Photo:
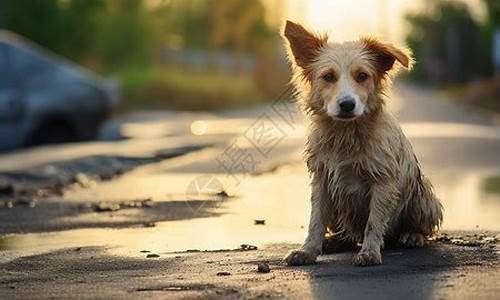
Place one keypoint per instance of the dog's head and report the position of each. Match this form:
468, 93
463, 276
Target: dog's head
345, 80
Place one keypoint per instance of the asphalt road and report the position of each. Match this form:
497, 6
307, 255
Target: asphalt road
191, 188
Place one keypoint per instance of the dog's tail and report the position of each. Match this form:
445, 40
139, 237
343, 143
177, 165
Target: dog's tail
423, 212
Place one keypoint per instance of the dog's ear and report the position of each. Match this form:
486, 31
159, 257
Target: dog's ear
304, 45
387, 54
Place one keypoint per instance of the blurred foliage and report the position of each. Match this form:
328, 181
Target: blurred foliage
493, 10
449, 45
186, 89
236, 25
492, 23
118, 37
491, 185
97, 33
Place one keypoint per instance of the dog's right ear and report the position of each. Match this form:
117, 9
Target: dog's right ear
303, 45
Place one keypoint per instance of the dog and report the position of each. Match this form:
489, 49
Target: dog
367, 185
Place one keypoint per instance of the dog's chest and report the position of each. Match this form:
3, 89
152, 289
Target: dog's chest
346, 182
349, 200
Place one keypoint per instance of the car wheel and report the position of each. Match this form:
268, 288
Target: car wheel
52, 133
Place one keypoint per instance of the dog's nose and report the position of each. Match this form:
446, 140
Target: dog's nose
347, 104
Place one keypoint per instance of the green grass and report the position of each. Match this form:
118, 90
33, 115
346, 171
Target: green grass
175, 88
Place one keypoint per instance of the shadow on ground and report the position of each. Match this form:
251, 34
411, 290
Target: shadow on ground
55, 216
94, 272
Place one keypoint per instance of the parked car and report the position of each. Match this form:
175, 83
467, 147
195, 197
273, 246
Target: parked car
47, 99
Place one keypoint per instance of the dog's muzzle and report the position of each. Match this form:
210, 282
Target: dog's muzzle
347, 106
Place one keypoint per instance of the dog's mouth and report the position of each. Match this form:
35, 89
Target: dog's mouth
345, 116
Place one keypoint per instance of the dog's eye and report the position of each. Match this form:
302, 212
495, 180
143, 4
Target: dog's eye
361, 77
329, 77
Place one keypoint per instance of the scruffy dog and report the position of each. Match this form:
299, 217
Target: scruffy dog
366, 180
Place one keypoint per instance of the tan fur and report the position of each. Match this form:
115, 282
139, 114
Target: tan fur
367, 185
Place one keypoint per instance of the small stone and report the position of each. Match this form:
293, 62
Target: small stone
223, 273
246, 247
148, 202
83, 180
222, 194
152, 255
26, 202
144, 251
263, 267
85, 205
472, 243
489, 239
105, 206
259, 222
6, 188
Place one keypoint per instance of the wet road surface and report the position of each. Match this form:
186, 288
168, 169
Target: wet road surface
194, 203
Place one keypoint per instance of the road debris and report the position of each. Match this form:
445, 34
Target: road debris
6, 188
223, 194
152, 255
246, 247
107, 206
84, 180
243, 247
259, 222
469, 240
31, 203
263, 267
55, 178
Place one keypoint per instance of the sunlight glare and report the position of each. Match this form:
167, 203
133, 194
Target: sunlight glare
199, 127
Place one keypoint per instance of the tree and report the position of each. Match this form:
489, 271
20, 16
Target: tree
448, 44
39, 20
101, 34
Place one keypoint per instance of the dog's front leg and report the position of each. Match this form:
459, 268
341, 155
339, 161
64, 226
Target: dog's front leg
317, 226
382, 203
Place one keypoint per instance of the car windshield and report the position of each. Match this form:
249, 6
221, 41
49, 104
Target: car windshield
5, 80
24, 67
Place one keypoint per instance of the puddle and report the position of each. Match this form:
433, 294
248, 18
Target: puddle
284, 221
471, 201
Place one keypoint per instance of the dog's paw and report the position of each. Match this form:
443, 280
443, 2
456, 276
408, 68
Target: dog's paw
367, 258
412, 240
300, 257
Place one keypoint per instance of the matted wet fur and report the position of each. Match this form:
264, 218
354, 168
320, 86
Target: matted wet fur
366, 180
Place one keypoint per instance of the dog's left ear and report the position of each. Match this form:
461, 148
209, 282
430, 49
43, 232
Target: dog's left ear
387, 54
